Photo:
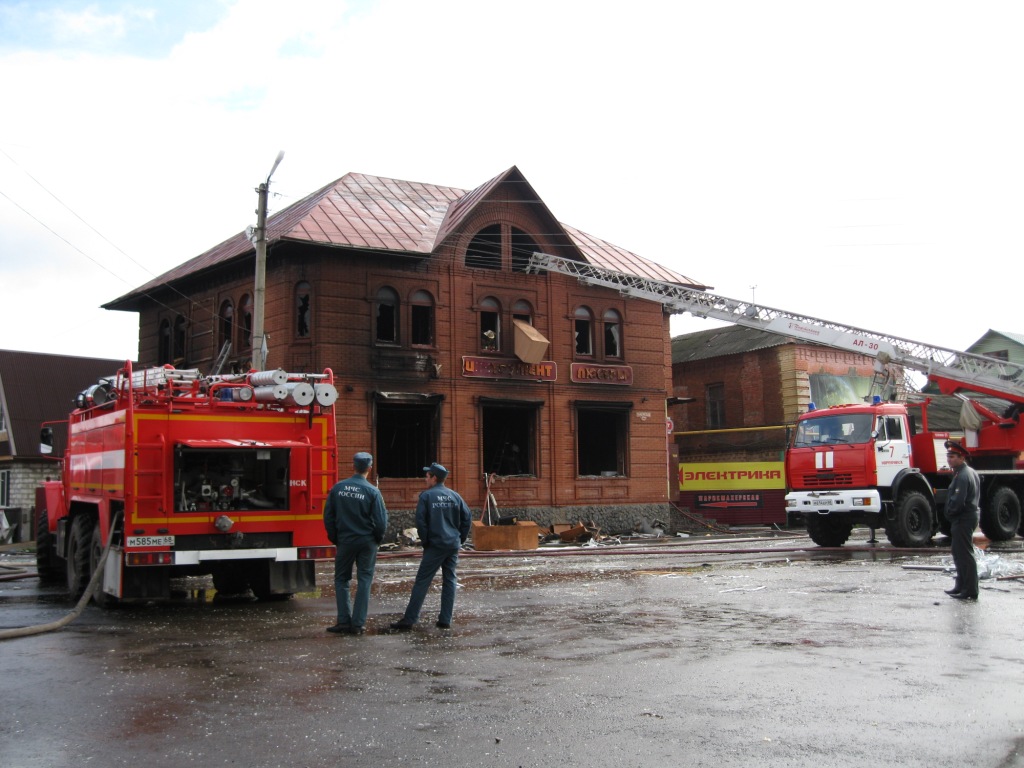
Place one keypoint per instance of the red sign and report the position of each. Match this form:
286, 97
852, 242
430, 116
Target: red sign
584, 373
505, 368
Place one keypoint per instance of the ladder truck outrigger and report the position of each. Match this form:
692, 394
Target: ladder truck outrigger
173, 473
870, 463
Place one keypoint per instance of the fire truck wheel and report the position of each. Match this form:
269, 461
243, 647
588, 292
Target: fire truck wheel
828, 530
49, 567
1000, 515
78, 555
914, 523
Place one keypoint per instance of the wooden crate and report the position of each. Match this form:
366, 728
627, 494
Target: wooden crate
487, 538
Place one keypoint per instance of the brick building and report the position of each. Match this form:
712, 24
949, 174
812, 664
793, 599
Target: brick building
747, 387
443, 345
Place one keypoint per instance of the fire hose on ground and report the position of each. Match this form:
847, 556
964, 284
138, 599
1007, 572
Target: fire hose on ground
90, 590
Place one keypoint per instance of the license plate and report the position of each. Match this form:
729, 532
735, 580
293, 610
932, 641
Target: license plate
150, 541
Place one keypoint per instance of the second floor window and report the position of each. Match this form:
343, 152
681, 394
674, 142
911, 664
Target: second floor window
583, 332
303, 299
226, 320
716, 406
386, 331
612, 334
490, 325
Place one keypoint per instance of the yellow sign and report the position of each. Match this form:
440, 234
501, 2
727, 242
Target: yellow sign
732, 476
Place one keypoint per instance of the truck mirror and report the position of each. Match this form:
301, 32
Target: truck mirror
46, 440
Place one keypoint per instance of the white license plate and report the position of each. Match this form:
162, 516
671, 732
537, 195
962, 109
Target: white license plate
150, 541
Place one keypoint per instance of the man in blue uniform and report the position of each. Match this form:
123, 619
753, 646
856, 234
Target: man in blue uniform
355, 518
442, 522
962, 512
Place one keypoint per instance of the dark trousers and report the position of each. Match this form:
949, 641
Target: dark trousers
363, 555
961, 530
433, 558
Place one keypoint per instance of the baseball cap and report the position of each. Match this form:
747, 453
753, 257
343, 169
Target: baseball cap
437, 471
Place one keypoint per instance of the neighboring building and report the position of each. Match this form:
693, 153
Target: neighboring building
748, 386
1000, 345
36, 388
445, 348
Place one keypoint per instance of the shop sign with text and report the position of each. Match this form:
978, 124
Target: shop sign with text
732, 476
504, 368
583, 373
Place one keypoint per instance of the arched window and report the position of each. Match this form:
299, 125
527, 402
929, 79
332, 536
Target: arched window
523, 247
421, 319
226, 323
303, 314
583, 329
386, 330
163, 345
178, 339
490, 325
612, 334
484, 251
522, 310
245, 324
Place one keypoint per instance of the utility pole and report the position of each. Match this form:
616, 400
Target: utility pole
259, 338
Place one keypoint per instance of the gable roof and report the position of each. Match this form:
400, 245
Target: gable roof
35, 388
991, 334
719, 342
365, 212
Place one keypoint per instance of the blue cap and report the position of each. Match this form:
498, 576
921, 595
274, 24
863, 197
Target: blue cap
362, 461
437, 471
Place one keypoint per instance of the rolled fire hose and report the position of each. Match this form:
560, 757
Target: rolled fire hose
94, 582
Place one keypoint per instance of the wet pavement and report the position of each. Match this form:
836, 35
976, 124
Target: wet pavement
710, 652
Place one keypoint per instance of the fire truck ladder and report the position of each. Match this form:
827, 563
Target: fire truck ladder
977, 373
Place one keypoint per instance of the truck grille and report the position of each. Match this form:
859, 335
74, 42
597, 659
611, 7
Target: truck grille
828, 480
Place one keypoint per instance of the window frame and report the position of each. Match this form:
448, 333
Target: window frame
379, 302
583, 313
715, 414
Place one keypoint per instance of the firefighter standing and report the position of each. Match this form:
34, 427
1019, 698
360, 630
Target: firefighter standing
355, 518
962, 512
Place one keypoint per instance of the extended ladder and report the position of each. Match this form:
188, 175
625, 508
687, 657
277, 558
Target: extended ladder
977, 373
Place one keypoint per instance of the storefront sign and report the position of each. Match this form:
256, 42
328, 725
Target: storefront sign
582, 373
732, 476
749, 500
504, 368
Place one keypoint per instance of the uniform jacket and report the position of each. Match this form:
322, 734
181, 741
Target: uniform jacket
442, 518
963, 494
354, 510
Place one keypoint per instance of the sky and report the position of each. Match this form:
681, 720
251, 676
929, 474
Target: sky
857, 162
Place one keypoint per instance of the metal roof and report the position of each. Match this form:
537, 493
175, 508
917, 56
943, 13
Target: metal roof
370, 212
719, 342
35, 387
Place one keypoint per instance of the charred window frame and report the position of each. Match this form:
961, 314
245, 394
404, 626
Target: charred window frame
245, 323
484, 250
421, 319
522, 310
303, 310
386, 317
178, 340
225, 323
490, 325
509, 436
163, 343
406, 432
583, 332
612, 334
522, 247
715, 396
602, 438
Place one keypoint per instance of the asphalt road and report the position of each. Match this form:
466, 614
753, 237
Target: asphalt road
765, 652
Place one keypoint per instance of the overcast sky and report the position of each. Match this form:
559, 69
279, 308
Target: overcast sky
855, 161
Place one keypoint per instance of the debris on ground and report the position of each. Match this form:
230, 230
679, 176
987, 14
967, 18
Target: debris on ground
654, 529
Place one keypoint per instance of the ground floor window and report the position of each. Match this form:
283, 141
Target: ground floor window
510, 436
406, 433
602, 432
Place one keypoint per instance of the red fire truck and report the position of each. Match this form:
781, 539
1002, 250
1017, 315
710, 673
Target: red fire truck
873, 463
183, 474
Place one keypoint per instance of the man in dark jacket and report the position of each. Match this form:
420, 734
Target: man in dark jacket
962, 512
442, 522
355, 518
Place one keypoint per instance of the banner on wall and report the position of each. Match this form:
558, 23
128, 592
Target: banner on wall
732, 476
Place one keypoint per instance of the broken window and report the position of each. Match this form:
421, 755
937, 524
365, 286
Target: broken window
522, 310
178, 340
523, 247
490, 325
406, 433
245, 329
612, 334
226, 323
510, 436
163, 344
601, 438
583, 332
302, 310
715, 406
484, 250
421, 319
386, 331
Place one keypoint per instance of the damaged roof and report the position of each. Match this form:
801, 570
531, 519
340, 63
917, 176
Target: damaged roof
718, 342
365, 212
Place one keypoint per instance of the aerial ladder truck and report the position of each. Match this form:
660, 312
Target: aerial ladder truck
870, 463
